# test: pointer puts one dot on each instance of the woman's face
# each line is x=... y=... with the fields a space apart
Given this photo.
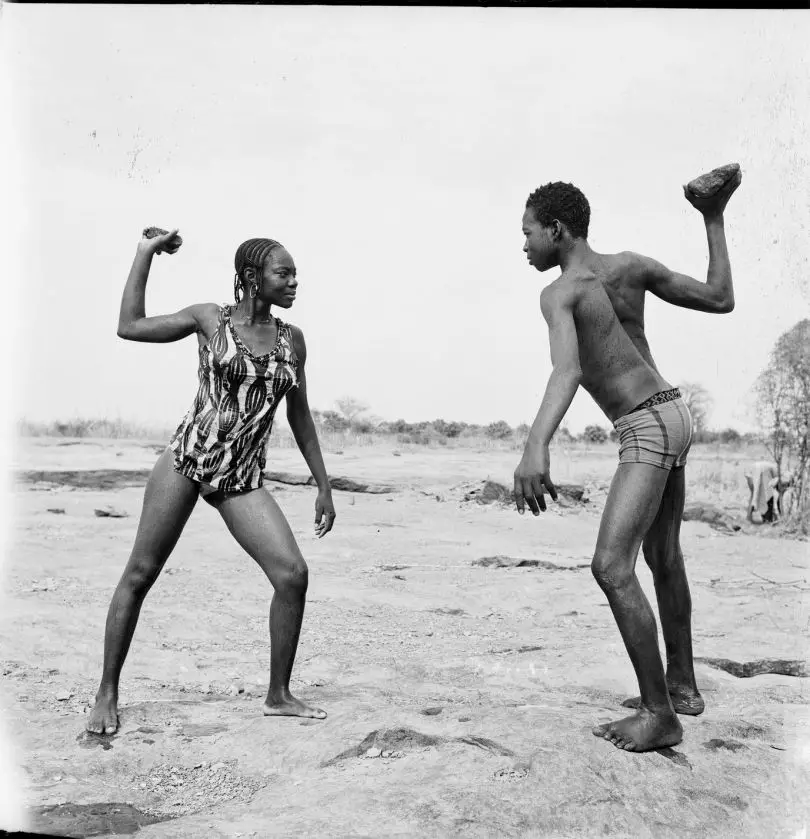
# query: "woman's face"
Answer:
x=278 y=281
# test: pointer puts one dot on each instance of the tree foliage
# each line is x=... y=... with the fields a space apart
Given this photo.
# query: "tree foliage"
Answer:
x=782 y=393
x=594 y=434
x=699 y=402
x=350 y=407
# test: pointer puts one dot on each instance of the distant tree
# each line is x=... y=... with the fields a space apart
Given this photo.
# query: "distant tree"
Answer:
x=363 y=426
x=613 y=435
x=563 y=435
x=350 y=407
x=333 y=421
x=698 y=401
x=448 y=429
x=594 y=434
x=782 y=393
x=398 y=426
x=499 y=430
x=730 y=435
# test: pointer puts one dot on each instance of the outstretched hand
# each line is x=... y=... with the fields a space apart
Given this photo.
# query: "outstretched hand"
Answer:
x=532 y=479
x=324 y=513
x=714 y=205
x=161 y=241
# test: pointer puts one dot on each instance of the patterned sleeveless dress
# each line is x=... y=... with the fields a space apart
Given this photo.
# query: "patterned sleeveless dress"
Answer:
x=222 y=439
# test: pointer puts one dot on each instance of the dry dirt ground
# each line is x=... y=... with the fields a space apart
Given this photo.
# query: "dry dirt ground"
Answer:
x=460 y=697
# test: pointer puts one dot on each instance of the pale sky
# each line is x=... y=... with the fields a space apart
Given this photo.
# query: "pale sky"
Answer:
x=391 y=150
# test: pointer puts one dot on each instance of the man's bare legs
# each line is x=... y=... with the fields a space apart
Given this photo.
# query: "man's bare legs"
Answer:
x=259 y=526
x=168 y=501
x=632 y=505
x=662 y=551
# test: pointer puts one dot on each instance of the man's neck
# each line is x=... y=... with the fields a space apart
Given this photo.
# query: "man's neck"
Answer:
x=576 y=253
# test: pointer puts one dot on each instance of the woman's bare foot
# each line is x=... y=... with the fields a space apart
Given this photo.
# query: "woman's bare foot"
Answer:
x=287 y=705
x=685 y=701
x=642 y=732
x=104 y=716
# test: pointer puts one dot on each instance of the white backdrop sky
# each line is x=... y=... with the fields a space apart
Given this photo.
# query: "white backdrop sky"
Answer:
x=392 y=150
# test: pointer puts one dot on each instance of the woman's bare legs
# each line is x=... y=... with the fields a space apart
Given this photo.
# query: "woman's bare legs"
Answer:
x=259 y=526
x=168 y=501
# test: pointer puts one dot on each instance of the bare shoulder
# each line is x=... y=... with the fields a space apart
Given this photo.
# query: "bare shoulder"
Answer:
x=637 y=266
x=299 y=345
x=206 y=309
x=205 y=313
x=562 y=294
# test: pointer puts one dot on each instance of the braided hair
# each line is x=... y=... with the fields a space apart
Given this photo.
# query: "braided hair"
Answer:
x=564 y=202
x=250 y=254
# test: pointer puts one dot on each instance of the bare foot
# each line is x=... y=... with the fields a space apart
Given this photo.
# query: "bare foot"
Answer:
x=685 y=701
x=642 y=732
x=104 y=716
x=288 y=706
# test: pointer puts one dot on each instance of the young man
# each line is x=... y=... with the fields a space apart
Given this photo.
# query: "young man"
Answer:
x=594 y=311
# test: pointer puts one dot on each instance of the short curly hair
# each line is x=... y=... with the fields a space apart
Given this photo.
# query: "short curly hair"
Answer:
x=564 y=202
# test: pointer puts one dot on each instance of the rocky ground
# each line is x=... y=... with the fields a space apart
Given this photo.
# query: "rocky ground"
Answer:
x=463 y=654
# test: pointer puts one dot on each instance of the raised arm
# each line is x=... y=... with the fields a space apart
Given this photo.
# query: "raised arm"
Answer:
x=532 y=474
x=716 y=295
x=303 y=428
x=133 y=325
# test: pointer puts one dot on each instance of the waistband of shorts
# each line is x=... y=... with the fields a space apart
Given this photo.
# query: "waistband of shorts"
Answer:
x=657 y=399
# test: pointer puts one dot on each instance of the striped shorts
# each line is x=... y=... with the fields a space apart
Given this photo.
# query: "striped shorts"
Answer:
x=657 y=432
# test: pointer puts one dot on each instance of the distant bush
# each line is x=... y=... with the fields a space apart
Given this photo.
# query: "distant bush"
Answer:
x=333 y=421
x=421 y=438
x=499 y=430
x=363 y=426
x=614 y=435
x=94 y=427
x=729 y=435
x=594 y=434
x=563 y=435
x=448 y=429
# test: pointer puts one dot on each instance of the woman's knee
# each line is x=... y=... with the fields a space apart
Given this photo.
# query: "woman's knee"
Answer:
x=292 y=579
x=140 y=574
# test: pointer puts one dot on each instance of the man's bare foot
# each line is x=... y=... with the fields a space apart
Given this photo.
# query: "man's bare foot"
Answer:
x=104 y=716
x=288 y=706
x=642 y=732
x=685 y=701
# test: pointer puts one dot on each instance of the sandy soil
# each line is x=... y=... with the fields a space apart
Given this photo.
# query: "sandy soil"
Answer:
x=479 y=685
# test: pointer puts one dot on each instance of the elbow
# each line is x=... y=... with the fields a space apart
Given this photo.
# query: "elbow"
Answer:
x=570 y=374
x=122 y=332
x=725 y=306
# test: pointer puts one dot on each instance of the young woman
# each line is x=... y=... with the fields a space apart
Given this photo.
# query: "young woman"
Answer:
x=249 y=361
